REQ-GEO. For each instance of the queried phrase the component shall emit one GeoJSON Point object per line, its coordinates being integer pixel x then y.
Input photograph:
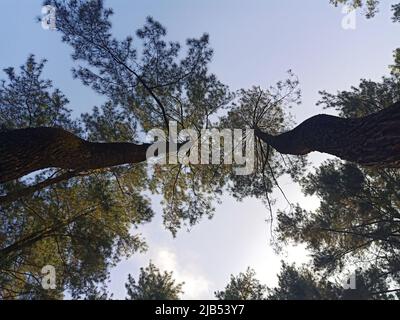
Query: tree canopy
{"type": "Point", "coordinates": [245, 286]}
{"type": "Point", "coordinates": [153, 285]}
{"type": "Point", "coordinates": [75, 190]}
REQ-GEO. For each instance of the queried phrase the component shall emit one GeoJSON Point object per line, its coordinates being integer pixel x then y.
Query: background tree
{"type": "Point", "coordinates": [153, 285]}
{"type": "Point", "coordinates": [371, 7]}
{"type": "Point", "coordinates": [303, 284]}
{"type": "Point", "coordinates": [245, 286]}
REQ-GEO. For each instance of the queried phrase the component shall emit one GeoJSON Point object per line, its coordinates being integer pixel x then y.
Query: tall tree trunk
{"type": "Point", "coordinates": [373, 140]}
{"type": "Point", "coordinates": [23, 151]}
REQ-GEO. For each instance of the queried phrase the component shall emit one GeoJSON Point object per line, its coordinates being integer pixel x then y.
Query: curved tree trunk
{"type": "Point", "coordinates": [373, 140]}
{"type": "Point", "coordinates": [23, 151]}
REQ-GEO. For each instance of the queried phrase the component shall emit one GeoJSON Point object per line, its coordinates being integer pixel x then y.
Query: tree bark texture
{"type": "Point", "coordinates": [23, 151]}
{"type": "Point", "coordinates": [373, 140]}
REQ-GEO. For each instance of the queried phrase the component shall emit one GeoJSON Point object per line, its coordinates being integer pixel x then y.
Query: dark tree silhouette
{"type": "Point", "coordinates": [371, 140]}
{"type": "Point", "coordinates": [296, 283]}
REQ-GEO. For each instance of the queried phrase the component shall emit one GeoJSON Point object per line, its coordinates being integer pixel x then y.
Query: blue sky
{"type": "Point", "coordinates": [255, 43]}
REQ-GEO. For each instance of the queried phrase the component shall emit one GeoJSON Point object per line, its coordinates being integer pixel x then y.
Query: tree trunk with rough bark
{"type": "Point", "coordinates": [373, 140]}
{"type": "Point", "coordinates": [23, 151]}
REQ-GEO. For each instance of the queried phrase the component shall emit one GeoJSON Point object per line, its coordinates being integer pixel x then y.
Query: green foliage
{"type": "Point", "coordinates": [82, 228]}
{"type": "Point", "coordinates": [27, 100]}
{"type": "Point", "coordinates": [367, 98]}
{"type": "Point", "coordinates": [147, 87]}
{"type": "Point", "coordinates": [245, 286]}
{"type": "Point", "coordinates": [185, 90]}
{"type": "Point", "coordinates": [153, 285]}
{"type": "Point", "coordinates": [304, 283]}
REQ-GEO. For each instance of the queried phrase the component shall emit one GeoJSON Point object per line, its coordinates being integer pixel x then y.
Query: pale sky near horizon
{"type": "Point", "coordinates": [255, 43]}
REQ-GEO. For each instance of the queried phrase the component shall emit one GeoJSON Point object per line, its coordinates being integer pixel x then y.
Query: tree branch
{"type": "Point", "coordinates": [12, 196]}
